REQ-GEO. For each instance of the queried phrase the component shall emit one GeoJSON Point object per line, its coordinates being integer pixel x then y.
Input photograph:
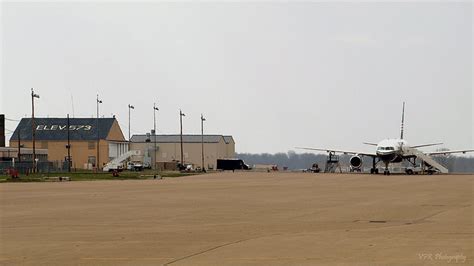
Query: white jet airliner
{"type": "Point", "coordinates": [393, 151]}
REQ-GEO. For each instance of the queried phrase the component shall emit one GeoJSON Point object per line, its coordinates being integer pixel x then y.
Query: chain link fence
{"type": "Point", "coordinates": [42, 167]}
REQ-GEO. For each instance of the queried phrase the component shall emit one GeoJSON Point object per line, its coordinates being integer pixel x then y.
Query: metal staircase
{"type": "Point", "coordinates": [427, 160]}
{"type": "Point", "coordinates": [332, 163]}
{"type": "Point", "coordinates": [116, 163]}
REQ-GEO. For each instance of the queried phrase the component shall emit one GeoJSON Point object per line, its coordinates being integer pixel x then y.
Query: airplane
{"type": "Point", "coordinates": [393, 151]}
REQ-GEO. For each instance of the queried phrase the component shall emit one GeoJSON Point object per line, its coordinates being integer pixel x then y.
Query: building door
{"type": "Point", "coordinates": [91, 160]}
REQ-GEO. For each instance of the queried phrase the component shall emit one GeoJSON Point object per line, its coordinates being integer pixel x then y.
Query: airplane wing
{"type": "Point", "coordinates": [426, 145]}
{"type": "Point", "coordinates": [339, 151]}
{"type": "Point", "coordinates": [370, 143]}
{"type": "Point", "coordinates": [448, 152]}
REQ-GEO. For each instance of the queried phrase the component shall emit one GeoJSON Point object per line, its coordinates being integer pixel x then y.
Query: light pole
{"type": "Point", "coordinates": [68, 146]}
{"type": "Point", "coordinates": [181, 114]}
{"type": "Point", "coordinates": [154, 130]}
{"type": "Point", "coordinates": [202, 142]}
{"type": "Point", "coordinates": [97, 127]}
{"type": "Point", "coordinates": [130, 107]}
{"type": "Point", "coordinates": [33, 126]}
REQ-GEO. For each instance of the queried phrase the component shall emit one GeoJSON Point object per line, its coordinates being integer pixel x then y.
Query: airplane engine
{"type": "Point", "coordinates": [356, 163]}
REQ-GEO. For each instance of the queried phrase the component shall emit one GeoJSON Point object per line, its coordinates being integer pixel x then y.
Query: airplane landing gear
{"type": "Point", "coordinates": [386, 171]}
{"type": "Point", "coordinates": [374, 170]}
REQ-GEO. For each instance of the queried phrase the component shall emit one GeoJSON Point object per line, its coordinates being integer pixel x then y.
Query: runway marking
{"type": "Point", "coordinates": [204, 251]}
{"type": "Point", "coordinates": [274, 258]}
{"type": "Point", "coordinates": [216, 247]}
{"type": "Point", "coordinates": [12, 259]}
{"type": "Point", "coordinates": [124, 258]}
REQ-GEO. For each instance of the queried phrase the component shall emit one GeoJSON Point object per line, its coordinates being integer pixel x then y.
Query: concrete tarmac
{"type": "Point", "coordinates": [241, 219]}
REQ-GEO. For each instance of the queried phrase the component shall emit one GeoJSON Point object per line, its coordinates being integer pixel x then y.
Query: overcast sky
{"type": "Point", "coordinates": [273, 75]}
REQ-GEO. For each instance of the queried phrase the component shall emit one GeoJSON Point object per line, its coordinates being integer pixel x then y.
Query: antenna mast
{"type": "Point", "coordinates": [72, 104]}
{"type": "Point", "coordinates": [403, 121]}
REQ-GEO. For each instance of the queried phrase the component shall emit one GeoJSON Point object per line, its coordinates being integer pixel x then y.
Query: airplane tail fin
{"type": "Point", "coordinates": [403, 121]}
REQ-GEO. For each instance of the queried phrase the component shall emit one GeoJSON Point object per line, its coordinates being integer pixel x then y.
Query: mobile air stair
{"type": "Point", "coordinates": [332, 163]}
{"type": "Point", "coordinates": [117, 163]}
{"type": "Point", "coordinates": [427, 160]}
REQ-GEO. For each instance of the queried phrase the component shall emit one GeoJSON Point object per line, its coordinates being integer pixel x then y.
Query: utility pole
{"type": "Point", "coordinates": [181, 114]}
{"type": "Point", "coordinates": [130, 107]}
{"type": "Point", "coordinates": [98, 136]}
{"type": "Point", "coordinates": [154, 130]}
{"type": "Point", "coordinates": [33, 126]}
{"type": "Point", "coordinates": [202, 142]}
{"type": "Point", "coordinates": [19, 145]}
{"type": "Point", "coordinates": [68, 147]}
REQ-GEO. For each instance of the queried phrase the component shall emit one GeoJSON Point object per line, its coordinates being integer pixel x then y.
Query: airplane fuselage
{"type": "Point", "coordinates": [390, 150]}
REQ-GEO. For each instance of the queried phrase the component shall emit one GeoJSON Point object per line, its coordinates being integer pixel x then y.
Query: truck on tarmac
{"type": "Point", "coordinates": [231, 164]}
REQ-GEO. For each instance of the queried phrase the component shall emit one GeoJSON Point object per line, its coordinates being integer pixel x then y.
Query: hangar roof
{"type": "Point", "coordinates": [56, 128]}
{"type": "Point", "coordinates": [228, 139]}
{"type": "Point", "coordinates": [186, 138]}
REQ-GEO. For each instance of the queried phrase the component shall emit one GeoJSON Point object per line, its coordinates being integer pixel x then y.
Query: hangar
{"type": "Point", "coordinates": [168, 148]}
{"type": "Point", "coordinates": [87, 136]}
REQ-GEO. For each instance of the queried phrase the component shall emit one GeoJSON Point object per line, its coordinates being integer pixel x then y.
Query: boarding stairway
{"type": "Point", "coordinates": [116, 163]}
{"type": "Point", "coordinates": [332, 163]}
{"type": "Point", "coordinates": [427, 160]}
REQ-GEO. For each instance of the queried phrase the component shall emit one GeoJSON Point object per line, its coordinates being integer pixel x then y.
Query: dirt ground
{"type": "Point", "coordinates": [241, 219]}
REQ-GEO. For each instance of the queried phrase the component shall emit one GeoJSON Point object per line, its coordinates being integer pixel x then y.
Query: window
{"type": "Point", "coordinates": [91, 145]}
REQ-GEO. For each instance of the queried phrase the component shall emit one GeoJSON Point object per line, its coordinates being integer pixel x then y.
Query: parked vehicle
{"type": "Point", "coordinates": [418, 170]}
{"type": "Point", "coordinates": [186, 167]}
{"type": "Point", "coordinates": [314, 168]}
{"type": "Point", "coordinates": [134, 166]}
{"type": "Point", "coordinates": [231, 164]}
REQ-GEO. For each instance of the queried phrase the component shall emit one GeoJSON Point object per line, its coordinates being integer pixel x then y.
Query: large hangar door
{"type": "Point", "coordinates": [116, 149]}
{"type": "Point", "coordinates": [113, 151]}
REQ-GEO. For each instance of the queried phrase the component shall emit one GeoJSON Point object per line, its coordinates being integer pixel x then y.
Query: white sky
{"type": "Point", "coordinates": [273, 75]}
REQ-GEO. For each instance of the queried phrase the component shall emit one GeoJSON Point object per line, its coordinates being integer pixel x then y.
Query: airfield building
{"type": "Point", "coordinates": [168, 149]}
{"type": "Point", "coordinates": [86, 135]}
